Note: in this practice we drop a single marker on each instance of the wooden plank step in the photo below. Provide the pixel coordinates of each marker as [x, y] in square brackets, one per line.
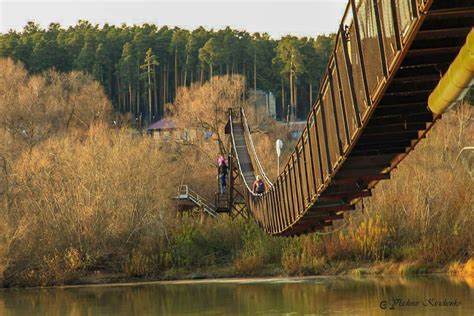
[346, 196]
[366, 178]
[328, 209]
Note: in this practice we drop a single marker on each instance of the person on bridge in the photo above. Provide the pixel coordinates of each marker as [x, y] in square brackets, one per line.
[222, 174]
[259, 185]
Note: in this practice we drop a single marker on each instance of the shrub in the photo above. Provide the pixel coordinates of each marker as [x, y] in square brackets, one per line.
[304, 255]
[102, 195]
[257, 250]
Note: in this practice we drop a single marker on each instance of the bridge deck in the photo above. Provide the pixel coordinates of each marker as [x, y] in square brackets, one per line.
[240, 146]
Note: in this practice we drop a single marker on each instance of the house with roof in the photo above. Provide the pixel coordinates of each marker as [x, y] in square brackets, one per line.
[166, 129]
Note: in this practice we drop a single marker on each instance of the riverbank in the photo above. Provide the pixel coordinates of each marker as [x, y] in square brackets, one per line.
[227, 273]
[342, 268]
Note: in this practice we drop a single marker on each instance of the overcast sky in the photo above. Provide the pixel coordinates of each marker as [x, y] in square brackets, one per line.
[303, 18]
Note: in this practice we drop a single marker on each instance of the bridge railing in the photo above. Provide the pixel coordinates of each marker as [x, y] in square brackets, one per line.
[185, 193]
[369, 47]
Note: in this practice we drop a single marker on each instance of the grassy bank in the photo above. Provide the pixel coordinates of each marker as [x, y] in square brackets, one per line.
[192, 251]
[86, 202]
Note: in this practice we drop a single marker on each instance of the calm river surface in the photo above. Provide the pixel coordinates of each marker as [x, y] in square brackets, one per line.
[288, 296]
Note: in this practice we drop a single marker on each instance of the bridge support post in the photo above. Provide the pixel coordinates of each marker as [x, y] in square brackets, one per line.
[236, 200]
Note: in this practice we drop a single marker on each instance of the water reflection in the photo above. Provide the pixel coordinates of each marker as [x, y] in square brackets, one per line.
[308, 296]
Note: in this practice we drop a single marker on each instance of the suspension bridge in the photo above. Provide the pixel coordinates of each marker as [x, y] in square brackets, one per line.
[397, 65]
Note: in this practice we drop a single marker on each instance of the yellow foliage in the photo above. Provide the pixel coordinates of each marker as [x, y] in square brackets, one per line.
[248, 264]
[469, 267]
[455, 268]
[303, 255]
[369, 238]
[139, 264]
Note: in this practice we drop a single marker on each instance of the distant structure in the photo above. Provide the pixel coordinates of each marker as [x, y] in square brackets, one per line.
[295, 129]
[263, 99]
[166, 129]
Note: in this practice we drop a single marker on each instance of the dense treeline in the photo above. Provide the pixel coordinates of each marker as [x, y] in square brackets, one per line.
[141, 67]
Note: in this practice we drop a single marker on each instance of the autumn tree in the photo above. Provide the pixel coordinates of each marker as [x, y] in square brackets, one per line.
[205, 108]
[35, 108]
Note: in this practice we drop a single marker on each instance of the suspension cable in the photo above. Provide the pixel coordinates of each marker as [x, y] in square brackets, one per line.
[254, 152]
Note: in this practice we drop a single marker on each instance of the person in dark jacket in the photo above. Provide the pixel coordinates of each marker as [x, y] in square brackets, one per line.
[258, 185]
[222, 174]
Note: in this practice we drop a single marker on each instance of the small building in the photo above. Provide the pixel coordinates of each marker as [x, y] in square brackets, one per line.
[261, 99]
[166, 129]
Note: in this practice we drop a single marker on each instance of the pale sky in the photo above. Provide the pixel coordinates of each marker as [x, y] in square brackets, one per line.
[278, 18]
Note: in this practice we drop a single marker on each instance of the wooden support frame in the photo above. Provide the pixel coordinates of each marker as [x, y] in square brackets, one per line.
[315, 183]
[325, 134]
[296, 177]
[333, 101]
[343, 105]
[305, 160]
[287, 200]
[380, 38]
[290, 193]
[398, 40]
[300, 177]
[328, 209]
[365, 178]
[345, 196]
[360, 53]
[350, 77]
[320, 161]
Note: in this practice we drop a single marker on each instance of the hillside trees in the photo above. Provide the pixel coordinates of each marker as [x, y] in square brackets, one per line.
[113, 55]
[48, 52]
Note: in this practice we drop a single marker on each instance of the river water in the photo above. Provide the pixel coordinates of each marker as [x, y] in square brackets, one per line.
[276, 296]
